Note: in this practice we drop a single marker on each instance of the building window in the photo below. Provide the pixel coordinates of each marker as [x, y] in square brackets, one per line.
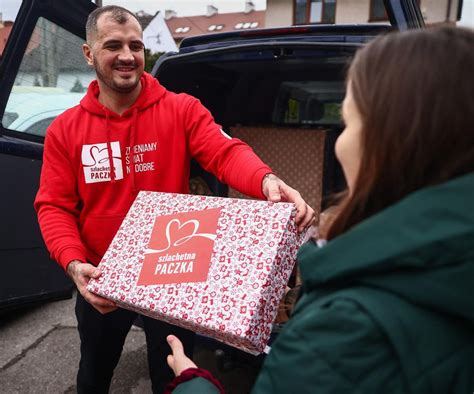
[377, 11]
[246, 25]
[215, 27]
[314, 11]
[181, 30]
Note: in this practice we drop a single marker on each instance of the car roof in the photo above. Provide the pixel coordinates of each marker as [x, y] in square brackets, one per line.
[302, 33]
[31, 104]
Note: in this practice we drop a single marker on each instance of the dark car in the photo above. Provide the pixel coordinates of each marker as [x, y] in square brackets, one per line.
[278, 89]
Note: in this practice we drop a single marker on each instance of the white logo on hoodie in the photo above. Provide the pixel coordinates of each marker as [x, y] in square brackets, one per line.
[96, 163]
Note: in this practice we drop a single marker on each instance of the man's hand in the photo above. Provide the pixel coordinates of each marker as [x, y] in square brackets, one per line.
[276, 190]
[81, 273]
[178, 361]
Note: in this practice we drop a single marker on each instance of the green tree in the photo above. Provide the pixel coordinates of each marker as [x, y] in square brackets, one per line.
[150, 59]
[36, 81]
[77, 88]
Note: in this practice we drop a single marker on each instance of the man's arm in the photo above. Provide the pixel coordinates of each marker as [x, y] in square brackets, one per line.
[81, 273]
[236, 164]
[231, 160]
[57, 206]
[57, 203]
[276, 190]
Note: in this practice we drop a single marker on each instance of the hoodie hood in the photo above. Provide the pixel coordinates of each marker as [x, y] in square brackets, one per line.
[151, 93]
[420, 249]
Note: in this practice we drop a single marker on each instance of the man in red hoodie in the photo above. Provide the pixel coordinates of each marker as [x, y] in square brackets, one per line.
[129, 134]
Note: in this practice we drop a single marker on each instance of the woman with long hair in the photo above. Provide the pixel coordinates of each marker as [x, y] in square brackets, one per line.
[388, 303]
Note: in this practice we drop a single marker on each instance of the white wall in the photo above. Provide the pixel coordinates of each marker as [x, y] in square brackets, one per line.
[157, 36]
[434, 11]
[352, 11]
[279, 13]
[467, 17]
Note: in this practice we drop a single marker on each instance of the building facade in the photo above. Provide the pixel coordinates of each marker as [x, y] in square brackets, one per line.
[214, 22]
[298, 12]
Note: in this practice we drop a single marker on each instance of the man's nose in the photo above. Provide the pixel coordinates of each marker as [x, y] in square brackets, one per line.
[126, 54]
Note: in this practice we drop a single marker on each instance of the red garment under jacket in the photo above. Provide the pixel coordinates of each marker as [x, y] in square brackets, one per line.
[81, 202]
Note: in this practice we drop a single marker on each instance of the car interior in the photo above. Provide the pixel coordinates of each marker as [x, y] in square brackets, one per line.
[286, 108]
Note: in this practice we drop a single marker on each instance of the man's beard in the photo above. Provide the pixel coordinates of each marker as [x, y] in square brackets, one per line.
[109, 81]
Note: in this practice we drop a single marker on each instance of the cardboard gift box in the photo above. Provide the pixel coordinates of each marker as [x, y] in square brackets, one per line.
[216, 266]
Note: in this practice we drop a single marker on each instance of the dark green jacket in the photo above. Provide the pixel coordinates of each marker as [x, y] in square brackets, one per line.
[388, 307]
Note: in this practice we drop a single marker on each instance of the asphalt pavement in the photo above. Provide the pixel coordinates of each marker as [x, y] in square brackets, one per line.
[39, 353]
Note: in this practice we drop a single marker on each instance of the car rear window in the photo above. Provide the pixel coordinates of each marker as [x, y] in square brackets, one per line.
[298, 88]
[308, 103]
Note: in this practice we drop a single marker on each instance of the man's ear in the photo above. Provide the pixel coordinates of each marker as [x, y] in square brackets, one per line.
[87, 52]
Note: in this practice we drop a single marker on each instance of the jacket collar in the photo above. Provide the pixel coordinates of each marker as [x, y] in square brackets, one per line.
[428, 228]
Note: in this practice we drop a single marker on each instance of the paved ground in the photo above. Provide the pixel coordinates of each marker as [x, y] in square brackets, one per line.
[39, 353]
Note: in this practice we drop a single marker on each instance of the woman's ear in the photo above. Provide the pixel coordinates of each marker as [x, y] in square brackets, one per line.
[87, 52]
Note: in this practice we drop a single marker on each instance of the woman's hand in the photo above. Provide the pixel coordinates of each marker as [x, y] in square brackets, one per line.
[178, 361]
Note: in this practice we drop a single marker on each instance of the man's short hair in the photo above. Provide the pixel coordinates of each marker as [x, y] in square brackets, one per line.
[118, 14]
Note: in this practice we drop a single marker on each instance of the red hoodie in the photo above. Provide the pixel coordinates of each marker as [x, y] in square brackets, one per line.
[81, 203]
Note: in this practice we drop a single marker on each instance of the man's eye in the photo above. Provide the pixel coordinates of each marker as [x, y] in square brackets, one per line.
[112, 47]
[136, 47]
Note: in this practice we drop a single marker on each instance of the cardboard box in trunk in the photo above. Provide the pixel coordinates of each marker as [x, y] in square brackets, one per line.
[217, 266]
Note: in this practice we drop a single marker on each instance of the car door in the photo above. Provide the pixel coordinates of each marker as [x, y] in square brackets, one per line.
[42, 73]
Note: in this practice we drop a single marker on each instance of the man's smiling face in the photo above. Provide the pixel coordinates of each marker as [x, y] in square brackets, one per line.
[116, 52]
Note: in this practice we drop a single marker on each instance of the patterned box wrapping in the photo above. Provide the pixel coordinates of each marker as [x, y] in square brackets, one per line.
[234, 295]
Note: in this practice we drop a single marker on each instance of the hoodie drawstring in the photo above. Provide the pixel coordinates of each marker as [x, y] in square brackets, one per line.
[109, 147]
[132, 144]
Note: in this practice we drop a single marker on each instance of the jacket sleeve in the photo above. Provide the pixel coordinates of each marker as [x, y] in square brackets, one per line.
[232, 161]
[196, 386]
[332, 348]
[57, 203]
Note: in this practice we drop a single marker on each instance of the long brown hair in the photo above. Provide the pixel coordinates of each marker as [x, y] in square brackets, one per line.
[415, 93]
